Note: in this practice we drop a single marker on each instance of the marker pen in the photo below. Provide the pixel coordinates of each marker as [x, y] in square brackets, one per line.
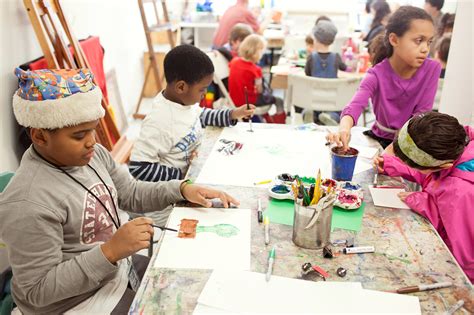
[259, 212]
[425, 287]
[266, 224]
[271, 259]
[358, 250]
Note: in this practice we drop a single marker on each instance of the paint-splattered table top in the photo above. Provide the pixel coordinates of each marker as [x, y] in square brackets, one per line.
[408, 252]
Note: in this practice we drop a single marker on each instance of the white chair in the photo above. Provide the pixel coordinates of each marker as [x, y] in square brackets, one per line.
[318, 94]
[221, 71]
[437, 99]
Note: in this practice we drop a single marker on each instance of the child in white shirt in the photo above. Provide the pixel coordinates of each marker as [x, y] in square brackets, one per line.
[171, 133]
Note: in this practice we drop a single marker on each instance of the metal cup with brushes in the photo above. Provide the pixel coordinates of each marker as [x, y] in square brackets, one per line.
[313, 215]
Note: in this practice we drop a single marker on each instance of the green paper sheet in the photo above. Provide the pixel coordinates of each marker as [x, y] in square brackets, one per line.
[281, 212]
[347, 219]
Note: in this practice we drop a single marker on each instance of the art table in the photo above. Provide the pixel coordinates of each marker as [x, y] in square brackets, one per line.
[284, 67]
[408, 251]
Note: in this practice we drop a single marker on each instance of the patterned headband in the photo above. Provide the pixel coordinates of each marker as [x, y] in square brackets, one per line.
[411, 150]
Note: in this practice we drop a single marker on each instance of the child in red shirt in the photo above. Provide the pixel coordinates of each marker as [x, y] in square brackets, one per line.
[244, 73]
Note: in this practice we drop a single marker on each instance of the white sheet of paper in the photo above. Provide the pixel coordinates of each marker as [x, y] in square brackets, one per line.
[208, 250]
[266, 153]
[378, 302]
[248, 292]
[387, 197]
[362, 165]
[365, 152]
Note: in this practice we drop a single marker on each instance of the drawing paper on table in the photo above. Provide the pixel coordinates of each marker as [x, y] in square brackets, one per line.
[247, 292]
[365, 152]
[222, 240]
[266, 153]
[362, 165]
[387, 197]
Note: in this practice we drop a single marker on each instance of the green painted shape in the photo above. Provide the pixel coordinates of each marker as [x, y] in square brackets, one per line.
[390, 257]
[223, 230]
[281, 212]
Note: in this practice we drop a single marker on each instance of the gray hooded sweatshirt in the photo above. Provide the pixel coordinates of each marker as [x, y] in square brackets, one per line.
[53, 227]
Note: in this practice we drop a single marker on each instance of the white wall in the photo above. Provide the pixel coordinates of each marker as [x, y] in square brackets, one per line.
[116, 22]
[17, 47]
[457, 97]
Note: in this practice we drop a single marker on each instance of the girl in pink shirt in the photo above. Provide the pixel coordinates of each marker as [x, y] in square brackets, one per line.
[435, 151]
[402, 83]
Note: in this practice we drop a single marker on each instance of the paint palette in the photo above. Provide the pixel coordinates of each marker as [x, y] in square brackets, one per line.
[280, 188]
[349, 196]
[352, 187]
[347, 200]
[281, 192]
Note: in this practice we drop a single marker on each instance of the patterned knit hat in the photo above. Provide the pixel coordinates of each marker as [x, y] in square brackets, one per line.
[51, 99]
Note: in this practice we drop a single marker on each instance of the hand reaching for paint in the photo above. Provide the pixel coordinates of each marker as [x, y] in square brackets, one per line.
[203, 195]
[404, 195]
[242, 112]
[377, 162]
[341, 138]
[128, 239]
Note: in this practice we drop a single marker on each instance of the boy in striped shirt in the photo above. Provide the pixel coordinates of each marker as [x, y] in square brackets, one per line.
[172, 131]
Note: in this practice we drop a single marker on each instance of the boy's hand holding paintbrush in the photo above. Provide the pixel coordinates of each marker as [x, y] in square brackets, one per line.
[243, 112]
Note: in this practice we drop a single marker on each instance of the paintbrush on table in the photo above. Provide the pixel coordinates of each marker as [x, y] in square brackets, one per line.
[248, 107]
[376, 177]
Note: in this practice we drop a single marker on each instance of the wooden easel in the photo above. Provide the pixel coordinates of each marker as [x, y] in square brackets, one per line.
[152, 70]
[54, 36]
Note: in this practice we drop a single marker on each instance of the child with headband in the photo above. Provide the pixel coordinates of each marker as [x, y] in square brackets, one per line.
[435, 151]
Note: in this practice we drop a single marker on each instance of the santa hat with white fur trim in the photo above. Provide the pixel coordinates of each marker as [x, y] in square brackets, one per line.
[51, 99]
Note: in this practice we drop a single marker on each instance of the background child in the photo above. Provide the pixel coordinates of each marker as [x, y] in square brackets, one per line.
[309, 42]
[433, 8]
[172, 131]
[244, 73]
[381, 12]
[447, 24]
[442, 52]
[435, 151]
[69, 243]
[403, 81]
[323, 63]
[237, 34]
[230, 50]
[366, 18]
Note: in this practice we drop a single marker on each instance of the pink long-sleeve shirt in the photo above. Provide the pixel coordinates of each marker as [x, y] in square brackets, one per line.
[446, 200]
[395, 100]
